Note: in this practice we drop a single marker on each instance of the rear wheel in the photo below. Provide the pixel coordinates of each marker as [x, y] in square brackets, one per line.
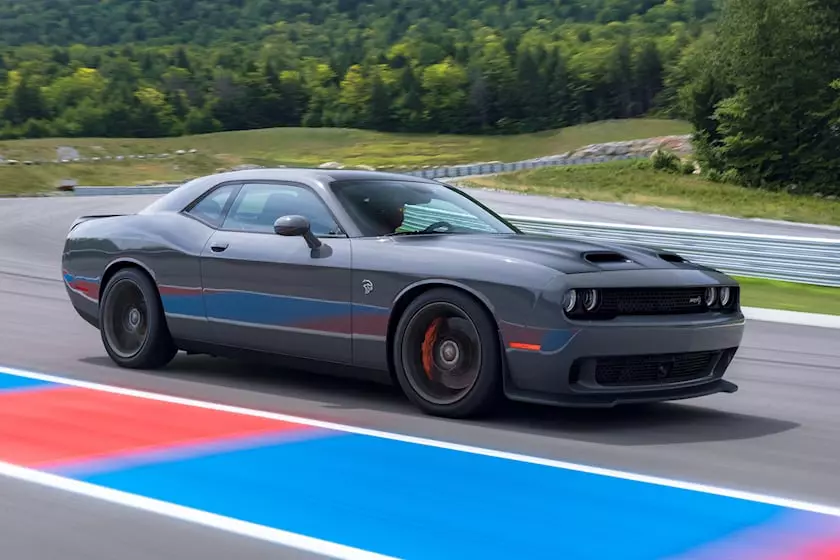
[446, 355]
[132, 323]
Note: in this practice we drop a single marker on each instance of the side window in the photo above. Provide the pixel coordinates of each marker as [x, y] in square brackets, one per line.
[210, 208]
[259, 205]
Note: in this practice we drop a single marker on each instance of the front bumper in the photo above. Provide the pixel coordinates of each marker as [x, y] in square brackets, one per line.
[625, 361]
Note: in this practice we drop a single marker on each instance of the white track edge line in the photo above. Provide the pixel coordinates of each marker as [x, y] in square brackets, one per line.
[207, 519]
[449, 446]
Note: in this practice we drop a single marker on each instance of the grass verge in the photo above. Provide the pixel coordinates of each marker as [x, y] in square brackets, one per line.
[297, 147]
[635, 182]
[789, 296]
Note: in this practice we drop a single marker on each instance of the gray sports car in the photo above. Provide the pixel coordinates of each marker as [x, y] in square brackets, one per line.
[399, 278]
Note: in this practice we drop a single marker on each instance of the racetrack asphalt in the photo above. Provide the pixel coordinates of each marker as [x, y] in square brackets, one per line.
[779, 435]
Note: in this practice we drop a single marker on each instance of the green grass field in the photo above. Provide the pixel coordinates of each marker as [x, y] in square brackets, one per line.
[635, 182]
[772, 294]
[297, 147]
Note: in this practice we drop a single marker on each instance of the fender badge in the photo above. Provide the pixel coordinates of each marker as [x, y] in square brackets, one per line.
[367, 285]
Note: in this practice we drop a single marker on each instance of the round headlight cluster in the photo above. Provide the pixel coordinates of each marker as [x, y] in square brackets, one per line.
[581, 300]
[570, 301]
[722, 297]
[725, 296]
[590, 299]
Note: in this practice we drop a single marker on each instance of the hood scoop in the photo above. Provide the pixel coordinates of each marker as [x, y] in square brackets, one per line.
[609, 260]
[604, 257]
[671, 258]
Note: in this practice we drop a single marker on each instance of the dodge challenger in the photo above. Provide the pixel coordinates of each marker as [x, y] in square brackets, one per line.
[404, 280]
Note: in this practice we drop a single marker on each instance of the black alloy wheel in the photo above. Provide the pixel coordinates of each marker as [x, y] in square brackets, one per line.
[132, 323]
[446, 354]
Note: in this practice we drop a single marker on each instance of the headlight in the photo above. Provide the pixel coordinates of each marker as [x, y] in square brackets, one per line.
[570, 301]
[590, 299]
[725, 296]
[710, 296]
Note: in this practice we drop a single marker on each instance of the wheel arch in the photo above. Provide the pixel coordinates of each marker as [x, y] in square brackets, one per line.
[121, 264]
[412, 292]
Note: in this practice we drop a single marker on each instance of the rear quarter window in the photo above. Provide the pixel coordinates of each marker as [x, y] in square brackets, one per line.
[210, 209]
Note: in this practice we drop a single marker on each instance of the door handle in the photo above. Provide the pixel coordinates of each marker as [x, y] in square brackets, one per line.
[218, 246]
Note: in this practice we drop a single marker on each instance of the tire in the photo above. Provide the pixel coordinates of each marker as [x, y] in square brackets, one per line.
[424, 355]
[132, 324]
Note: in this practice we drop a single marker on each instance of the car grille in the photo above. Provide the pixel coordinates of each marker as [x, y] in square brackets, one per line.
[651, 301]
[654, 369]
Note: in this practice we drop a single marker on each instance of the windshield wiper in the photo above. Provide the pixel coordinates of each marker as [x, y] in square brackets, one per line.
[422, 233]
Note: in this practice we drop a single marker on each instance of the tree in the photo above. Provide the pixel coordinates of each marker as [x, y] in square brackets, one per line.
[648, 75]
[763, 104]
[25, 101]
[445, 97]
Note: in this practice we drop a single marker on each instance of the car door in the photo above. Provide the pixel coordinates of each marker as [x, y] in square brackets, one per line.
[272, 293]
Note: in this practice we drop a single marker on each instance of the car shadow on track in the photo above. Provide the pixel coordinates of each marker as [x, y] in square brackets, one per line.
[329, 391]
[649, 424]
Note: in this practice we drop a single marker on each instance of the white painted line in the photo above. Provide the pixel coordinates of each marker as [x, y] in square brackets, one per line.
[229, 524]
[634, 477]
[792, 317]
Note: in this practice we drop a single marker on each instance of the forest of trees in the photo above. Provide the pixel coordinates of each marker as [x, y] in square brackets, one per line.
[169, 67]
[758, 80]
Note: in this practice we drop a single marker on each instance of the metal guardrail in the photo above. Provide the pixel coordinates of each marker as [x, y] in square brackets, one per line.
[124, 190]
[456, 171]
[793, 259]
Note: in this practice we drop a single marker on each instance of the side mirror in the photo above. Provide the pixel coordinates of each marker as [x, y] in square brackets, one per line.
[292, 226]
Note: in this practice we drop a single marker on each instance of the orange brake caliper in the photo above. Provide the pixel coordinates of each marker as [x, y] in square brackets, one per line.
[428, 346]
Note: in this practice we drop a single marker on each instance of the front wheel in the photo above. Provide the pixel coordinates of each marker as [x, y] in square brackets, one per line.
[446, 355]
[132, 323]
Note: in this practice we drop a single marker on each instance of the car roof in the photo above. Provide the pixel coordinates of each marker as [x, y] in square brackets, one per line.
[328, 175]
[317, 178]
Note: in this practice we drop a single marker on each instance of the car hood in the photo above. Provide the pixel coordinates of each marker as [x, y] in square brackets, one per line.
[563, 254]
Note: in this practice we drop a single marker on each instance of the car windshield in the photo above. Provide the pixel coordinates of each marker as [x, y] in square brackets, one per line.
[392, 207]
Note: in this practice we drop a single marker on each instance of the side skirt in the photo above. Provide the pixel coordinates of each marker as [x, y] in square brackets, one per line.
[282, 361]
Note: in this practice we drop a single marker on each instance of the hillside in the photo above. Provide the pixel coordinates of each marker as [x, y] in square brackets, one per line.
[171, 67]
